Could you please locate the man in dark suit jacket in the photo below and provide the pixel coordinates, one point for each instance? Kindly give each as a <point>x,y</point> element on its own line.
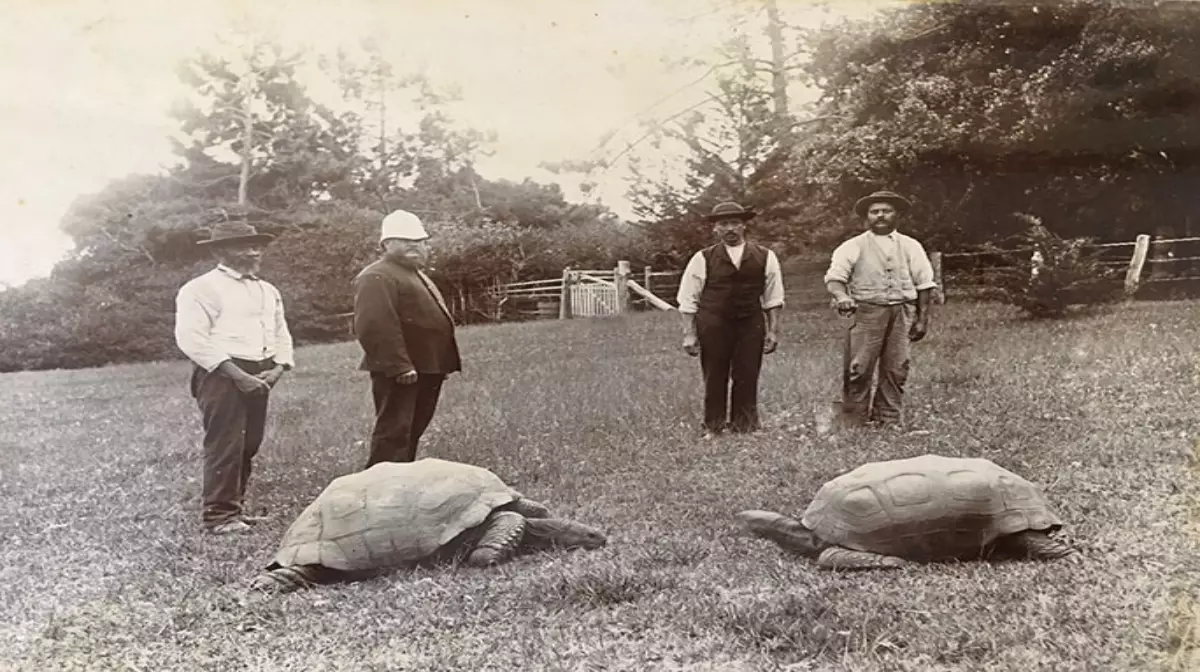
<point>407,336</point>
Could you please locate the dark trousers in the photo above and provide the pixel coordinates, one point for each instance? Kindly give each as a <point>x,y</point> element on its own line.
<point>731,354</point>
<point>234,423</point>
<point>402,412</point>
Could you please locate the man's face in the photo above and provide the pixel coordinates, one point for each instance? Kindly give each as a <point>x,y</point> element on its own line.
<point>881,218</point>
<point>241,257</point>
<point>408,252</point>
<point>730,231</point>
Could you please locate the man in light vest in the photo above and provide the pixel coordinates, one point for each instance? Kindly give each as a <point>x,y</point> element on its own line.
<point>730,296</point>
<point>883,279</point>
<point>407,336</point>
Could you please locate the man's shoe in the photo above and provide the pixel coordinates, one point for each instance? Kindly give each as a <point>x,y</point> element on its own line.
<point>229,527</point>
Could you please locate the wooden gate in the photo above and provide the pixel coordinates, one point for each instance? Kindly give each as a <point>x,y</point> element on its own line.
<point>592,294</point>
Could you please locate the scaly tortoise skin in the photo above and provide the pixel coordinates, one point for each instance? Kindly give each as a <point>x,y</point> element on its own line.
<point>398,514</point>
<point>929,508</point>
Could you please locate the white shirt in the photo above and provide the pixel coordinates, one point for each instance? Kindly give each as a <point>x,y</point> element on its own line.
<point>223,314</point>
<point>696,272</point>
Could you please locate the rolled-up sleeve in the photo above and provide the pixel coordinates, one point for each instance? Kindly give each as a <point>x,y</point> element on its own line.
<point>691,284</point>
<point>193,326</point>
<point>841,262</point>
<point>772,296</point>
<point>919,266</point>
<point>284,347</point>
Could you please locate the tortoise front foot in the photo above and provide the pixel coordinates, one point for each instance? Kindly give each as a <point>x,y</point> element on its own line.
<point>286,579</point>
<point>501,536</point>
<point>1039,546</point>
<point>837,557</point>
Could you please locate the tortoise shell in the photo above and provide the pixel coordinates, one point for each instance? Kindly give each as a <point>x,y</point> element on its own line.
<point>927,507</point>
<point>392,514</point>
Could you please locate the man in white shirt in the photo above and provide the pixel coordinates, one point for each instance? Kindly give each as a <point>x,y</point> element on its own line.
<point>230,323</point>
<point>884,279</point>
<point>730,296</point>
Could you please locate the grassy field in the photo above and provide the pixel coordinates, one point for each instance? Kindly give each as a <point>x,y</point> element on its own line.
<point>103,566</point>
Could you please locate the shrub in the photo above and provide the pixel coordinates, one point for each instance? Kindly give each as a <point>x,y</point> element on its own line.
<point>1050,276</point>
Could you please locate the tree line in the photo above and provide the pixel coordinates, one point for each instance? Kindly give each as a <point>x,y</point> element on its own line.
<point>1082,114</point>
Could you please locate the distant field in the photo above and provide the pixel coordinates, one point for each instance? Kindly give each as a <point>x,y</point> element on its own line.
<point>103,566</point>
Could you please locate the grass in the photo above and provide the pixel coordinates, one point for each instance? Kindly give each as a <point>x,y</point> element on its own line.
<point>103,567</point>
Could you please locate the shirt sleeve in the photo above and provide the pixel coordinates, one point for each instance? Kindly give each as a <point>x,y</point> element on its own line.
<point>919,266</point>
<point>691,284</point>
<point>284,347</point>
<point>377,325</point>
<point>772,296</point>
<point>193,324</point>
<point>841,262</point>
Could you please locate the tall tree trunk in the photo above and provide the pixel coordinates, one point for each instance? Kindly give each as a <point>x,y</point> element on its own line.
<point>247,138</point>
<point>778,80</point>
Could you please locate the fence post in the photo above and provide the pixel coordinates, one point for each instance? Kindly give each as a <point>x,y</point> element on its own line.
<point>647,275</point>
<point>1134,273</point>
<point>620,278</point>
<point>939,294</point>
<point>564,297</point>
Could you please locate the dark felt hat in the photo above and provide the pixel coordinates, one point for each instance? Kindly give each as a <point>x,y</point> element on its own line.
<point>231,233</point>
<point>901,203</point>
<point>730,210</point>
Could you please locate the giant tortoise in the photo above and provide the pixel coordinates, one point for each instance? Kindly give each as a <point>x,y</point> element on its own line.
<point>398,514</point>
<point>927,508</point>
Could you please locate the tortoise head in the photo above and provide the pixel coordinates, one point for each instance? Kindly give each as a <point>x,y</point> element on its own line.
<point>787,532</point>
<point>545,533</point>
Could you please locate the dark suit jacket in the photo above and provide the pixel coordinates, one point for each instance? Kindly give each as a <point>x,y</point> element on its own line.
<point>402,323</point>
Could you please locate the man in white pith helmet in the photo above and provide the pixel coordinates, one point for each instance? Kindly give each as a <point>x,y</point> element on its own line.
<point>407,336</point>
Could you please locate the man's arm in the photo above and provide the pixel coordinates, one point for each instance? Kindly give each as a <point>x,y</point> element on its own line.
<point>284,347</point>
<point>837,277</point>
<point>193,326</point>
<point>377,325</point>
<point>772,301</point>
<point>688,298</point>
<point>922,276</point>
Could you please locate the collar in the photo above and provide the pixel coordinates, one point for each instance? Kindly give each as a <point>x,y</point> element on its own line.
<point>735,247</point>
<point>236,275</point>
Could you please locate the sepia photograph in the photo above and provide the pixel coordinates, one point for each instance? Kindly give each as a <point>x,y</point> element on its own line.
<point>589,335</point>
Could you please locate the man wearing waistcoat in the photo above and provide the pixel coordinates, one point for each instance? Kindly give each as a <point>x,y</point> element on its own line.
<point>231,324</point>
<point>729,297</point>
<point>407,336</point>
<point>882,278</point>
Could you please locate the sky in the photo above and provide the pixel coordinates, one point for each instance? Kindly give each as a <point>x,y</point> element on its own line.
<point>89,83</point>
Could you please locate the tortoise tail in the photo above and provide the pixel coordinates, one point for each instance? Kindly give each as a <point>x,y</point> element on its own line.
<point>287,579</point>
<point>502,534</point>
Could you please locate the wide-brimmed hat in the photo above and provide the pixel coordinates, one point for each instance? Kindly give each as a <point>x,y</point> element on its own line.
<point>901,203</point>
<point>232,233</point>
<point>730,210</point>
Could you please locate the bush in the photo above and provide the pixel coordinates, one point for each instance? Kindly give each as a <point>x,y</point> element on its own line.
<point>1065,276</point>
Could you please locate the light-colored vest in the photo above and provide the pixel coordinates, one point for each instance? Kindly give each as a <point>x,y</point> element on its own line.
<point>878,279</point>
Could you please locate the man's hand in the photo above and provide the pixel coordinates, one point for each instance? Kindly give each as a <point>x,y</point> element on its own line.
<point>407,378</point>
<point>691,345</point>
<point>919,328</point>
<point>271,376</point>
<point>251,384</point>
<point>845,305</point>
<point>770,342</point>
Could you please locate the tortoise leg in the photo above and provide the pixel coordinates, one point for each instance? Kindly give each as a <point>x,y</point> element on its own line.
<point>288,579</point>
<point>502,533</point>
<point>837,557</point>
<point>1037,546</point>
<point>530,508</point>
